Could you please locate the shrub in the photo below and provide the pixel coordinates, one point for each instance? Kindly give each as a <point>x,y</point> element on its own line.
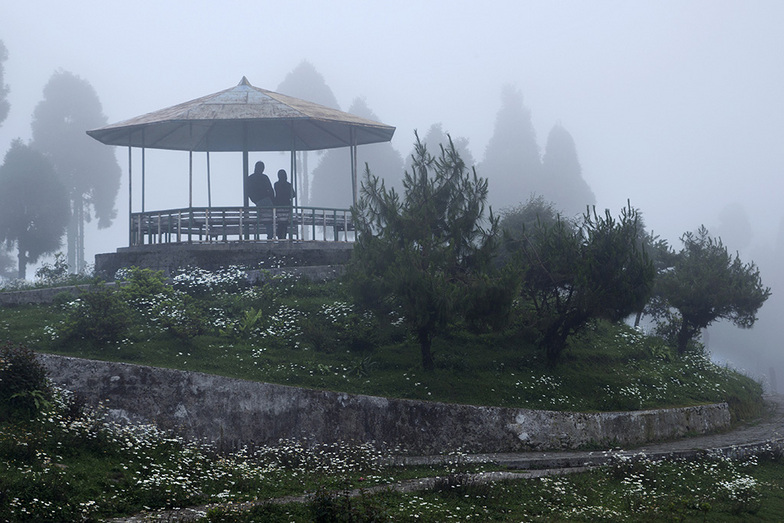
<point>201,282</point>
<point>340,326</point>
<point>24,388</point>
<point>141,284</point>
<point>56,275</point>
<point>182,316</point>
<point>100,315</point>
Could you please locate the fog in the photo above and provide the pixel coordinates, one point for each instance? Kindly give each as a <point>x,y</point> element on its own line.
<point>676,106</point>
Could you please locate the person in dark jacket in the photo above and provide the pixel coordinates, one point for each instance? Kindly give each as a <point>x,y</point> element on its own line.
<point>259,190</point>
<point>284,196</point>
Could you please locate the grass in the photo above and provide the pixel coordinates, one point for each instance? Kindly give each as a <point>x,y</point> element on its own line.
<point>66,465</point>
<point>310,335</point>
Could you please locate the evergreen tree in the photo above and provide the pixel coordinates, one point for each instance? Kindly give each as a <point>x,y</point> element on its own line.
<point>706,283</point>
<point>306,83</point>
<point>435,136</point>
<point>88,169</point>
<point>332,176</point>
<point>572,274</point>
<point>433,139</point>
<point>734,227</point>
<point>429,253</point>
<point>33,205</point>
<point>563,183</point>
<point>511,163</point>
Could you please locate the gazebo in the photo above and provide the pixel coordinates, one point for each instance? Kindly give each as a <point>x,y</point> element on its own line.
<point>241,119</point>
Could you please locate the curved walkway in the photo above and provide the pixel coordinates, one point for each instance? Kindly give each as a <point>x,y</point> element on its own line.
<point>747,439</point>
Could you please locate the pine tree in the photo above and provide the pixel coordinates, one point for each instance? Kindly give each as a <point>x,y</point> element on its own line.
<point>305,82</point>
<point>563,183</point>
<point>511,163</point>
<point>706,284</point>
<point>33,205</point>
<point>332,176</point>
<point>428,253</point>
<point>88,169</point>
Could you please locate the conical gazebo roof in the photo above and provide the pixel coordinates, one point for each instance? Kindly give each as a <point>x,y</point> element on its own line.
<point>245,118</point>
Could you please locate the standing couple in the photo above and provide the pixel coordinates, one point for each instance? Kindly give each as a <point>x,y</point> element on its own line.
<point>260,191</point>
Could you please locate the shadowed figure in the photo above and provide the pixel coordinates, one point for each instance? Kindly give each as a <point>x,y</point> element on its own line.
<point>259,190</point>
<point>284,195</point>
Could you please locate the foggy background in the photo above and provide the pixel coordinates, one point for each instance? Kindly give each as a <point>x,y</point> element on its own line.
<point>677,106</point>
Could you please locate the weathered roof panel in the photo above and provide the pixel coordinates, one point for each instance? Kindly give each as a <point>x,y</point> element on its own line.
<point>244,118</point>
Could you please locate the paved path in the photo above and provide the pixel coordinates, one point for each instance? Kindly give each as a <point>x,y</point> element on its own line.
<point>743,440</point>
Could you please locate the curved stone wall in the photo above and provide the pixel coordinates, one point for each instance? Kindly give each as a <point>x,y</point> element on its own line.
<point>231,411</point>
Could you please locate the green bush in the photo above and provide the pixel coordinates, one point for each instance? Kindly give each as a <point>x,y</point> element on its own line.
<point>201,282</point>
<point>57,275</point>
<point>100,315</point>
<point>24,388</point>
<point>182,316</point>
<point>138,284</point>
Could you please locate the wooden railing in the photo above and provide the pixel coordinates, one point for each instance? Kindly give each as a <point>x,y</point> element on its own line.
<point>223,224</point>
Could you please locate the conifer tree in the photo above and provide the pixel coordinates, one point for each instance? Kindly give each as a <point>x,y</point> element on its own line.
<point>429,252</point>
<point>332,176</point>
<point>305,82</point>
<point>573,273</point>
<point>706,283</point>
<point>88,169</point>
<point>33,205</point>
<point>512,163</point>
<point>563,182</point>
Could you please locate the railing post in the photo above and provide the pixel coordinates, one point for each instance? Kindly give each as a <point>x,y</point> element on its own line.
<point>274,223</point>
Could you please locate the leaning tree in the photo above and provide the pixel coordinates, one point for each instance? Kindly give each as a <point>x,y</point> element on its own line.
<point>705,284</point>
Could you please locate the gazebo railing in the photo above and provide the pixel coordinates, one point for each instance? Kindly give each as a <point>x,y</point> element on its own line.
<point>224,224</point>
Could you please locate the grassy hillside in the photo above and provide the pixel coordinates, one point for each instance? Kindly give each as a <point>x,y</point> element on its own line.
<point>67,465</point>
<point>310,335</point>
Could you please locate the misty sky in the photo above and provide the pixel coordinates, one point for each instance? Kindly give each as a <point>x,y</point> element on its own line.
<point>677,106</point>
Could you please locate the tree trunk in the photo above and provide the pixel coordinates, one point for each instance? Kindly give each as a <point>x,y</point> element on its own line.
<point>22,274</point>
<point>71,235</point>
<point>684,336</point>
<point>425,342</point>
<point>554,342</point>
<point>80,263</point>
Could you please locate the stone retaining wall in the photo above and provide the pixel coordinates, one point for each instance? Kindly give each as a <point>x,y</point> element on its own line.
<point>213,256</point>
<point>230,411</point>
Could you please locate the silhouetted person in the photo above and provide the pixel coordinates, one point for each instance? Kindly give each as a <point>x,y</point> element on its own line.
<point>259,190</point>
<point>284,196</point>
